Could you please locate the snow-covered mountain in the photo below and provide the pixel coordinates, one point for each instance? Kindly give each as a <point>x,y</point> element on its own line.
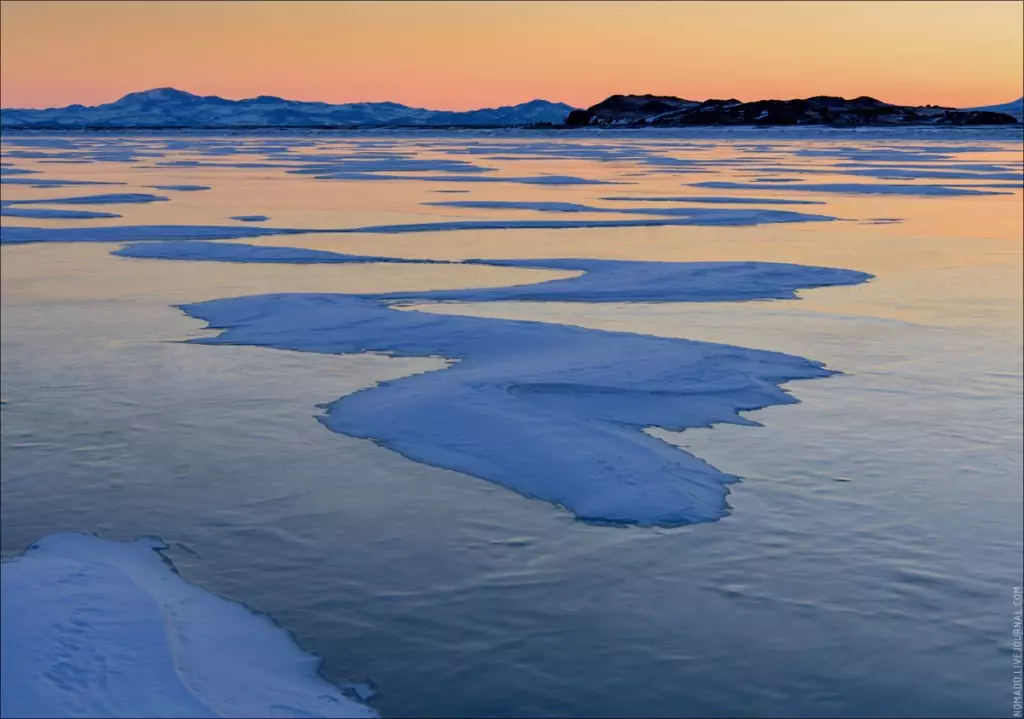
<point>167,107</point>
<point>1015,108</point>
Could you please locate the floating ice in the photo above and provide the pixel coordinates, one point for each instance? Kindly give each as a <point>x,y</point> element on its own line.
<point>10,235</point>
<point>509,205</point>
<point>146,233</point>
<point>636,281</point>
<point>108,199</point>
<point>535,180</point>
<point>41,213</point>
<point>394,164</point>
<point>40,182</point>
<point>852,188</point>
<point>9,170</point>
<point>553,412</point>
<point>903,173</point>
<point>234,252</point>
<point>250,218</point>
<point>693,216</point>
<point>738,200</point>
<point>97,628</point>
<point>697,214</point>
<point>181,188</point>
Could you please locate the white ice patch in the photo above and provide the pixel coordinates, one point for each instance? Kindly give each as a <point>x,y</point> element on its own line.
<point>98,628</point>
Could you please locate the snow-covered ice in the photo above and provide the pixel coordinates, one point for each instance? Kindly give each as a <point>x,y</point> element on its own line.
<point>725,217</point>
<point>132,233</point>
<point>528,180</point>
<point>45,182</point>
<point>235,252</point>
<point>634,281</point>
<point>107,199</point>
<point>691,216</point>
<point>139,233</point>
<point>41,213</point>
<point>852,188</point>
<point>714,200</point>
<point>99,628</point>
<point>552,412</point>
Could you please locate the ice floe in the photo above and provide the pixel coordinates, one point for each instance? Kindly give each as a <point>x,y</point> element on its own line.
<point>10,235</point>
<point>108,199</point>
<point>853,188</point>
<point>145,233</point>
<point>99,628</point>
<point>199,250</point>
<point>41,213</point>
<point>734,200</point>
<point>695,216</point>
<point>531,180</point>
<point>42,182</point>
<point>552,412</point>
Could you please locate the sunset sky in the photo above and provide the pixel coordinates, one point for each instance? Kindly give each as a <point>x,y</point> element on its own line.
<point>461,55</point>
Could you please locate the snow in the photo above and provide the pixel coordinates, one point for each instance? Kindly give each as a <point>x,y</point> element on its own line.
<point>40,213</point>
<point>132,233</point>
<point>109,199</point>
<point>903,173</point>
<point>508,205</point>
<point>552,412</point>
<point>397,164</point>
<point>99,628</point>
<point>717,200</point>
<point>697,215</point>
<point>199,250</point>
<point>39,182</point>
<point>170,107</point>
<point>861,188</point>
<point>635,281</point>
<point>534,180</point>
<point>147,233</point>
<point>694,216</point>
<point>1015,108</point>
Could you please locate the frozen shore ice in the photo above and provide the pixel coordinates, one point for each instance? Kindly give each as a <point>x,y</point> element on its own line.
<point>100,628</point>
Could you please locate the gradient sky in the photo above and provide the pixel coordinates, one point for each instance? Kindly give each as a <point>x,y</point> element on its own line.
<point>460,55</point>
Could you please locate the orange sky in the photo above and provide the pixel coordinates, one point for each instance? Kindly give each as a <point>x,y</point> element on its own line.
<point>459,55</point>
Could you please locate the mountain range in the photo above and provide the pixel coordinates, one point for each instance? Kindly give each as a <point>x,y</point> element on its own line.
<point>660,110</point>
<point>1015,108</point>
<point>167,107</point>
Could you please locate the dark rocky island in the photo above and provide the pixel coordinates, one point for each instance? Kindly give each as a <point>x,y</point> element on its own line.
<point>661,111</point>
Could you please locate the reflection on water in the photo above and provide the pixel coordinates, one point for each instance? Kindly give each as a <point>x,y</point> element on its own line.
<point>867,567</point>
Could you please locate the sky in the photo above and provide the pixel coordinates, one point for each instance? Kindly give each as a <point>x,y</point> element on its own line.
<point>463,55</point>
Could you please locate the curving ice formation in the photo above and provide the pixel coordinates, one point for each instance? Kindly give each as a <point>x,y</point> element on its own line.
<point>550,411</point>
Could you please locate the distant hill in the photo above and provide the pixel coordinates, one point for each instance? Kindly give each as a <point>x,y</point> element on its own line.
<point>170,108</point>
<point>1015,108</point>
<point>650,110</point>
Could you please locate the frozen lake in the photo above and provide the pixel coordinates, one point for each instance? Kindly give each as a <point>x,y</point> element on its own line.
<point>864,564</point>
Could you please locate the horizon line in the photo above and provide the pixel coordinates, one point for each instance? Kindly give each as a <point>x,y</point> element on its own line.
<point>413,107</point>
